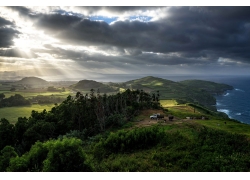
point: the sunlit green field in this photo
(12, 113)
(168, 103)
(32, 94)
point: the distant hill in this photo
(32, 81)
(195, 91)
(192, 91)
(86, 85)
(211, 87)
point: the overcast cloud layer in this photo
(86, 42)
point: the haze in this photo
(74, 43)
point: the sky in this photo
(89, 42)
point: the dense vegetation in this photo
(19, 100)
(87, 114)
(157, 148)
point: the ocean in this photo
(235, 103)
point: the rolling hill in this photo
(211, 87)
(190, 91)
(32, 81)
(194, 91)
(86, 85)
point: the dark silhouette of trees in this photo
(16, 100)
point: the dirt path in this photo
(144, 119)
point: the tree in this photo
(12, 89)
(6, 133)
(6, 154)
(2, 96)
(66, 155)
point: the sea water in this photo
(236, 103)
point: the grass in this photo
(181, 149)
(33, 94)
(168, 103)
(230, 126)
(12, 113)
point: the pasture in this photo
(29, 94)
(12, 113)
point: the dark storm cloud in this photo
(7, 33)
(197, 34)
(57, 22)
(6, 36)
(4, 22)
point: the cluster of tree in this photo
(16, 100)
(53, 89)
(88, 114)
(40, 99)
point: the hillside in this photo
(195, 91)
(86, 85)
(32, 81)
(211, 87)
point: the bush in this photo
(126, 141)
(65, 155)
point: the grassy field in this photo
(168, 103)
(32, 94)
(183, 111)
(12, 113)
(226, 125)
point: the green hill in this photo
(86, 85)
(211, 87)
(32, 81)
(194, 91)
(190, 91)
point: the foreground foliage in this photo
(157, 148)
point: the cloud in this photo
(17, 53)
(7, 33)
(171, 36)
(6, 36)
(4, 22)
